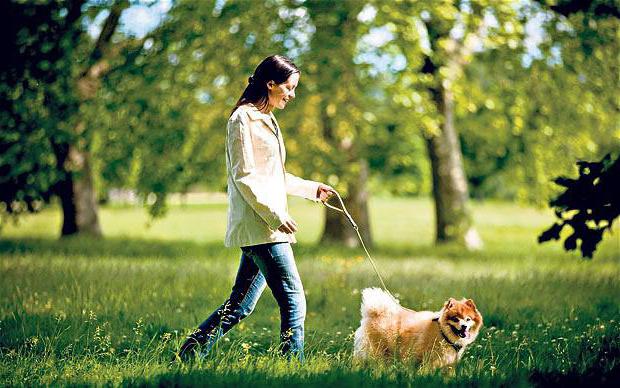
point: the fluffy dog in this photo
(437, 339)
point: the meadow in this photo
(112, 311)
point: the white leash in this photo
(346, 213)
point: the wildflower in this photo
(33, 341)
(61, 315)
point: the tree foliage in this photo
(528, 113)
(589, 205)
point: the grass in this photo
(83, 311)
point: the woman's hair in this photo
(276, 68)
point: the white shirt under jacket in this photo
(257, 181)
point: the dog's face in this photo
(463, 318)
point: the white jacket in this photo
(257, 181)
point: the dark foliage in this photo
(589, 205)
(35, 99)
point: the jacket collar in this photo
(267, 118)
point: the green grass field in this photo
(83, 311)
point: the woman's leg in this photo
(277, 263)
(248, 287)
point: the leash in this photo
(359, 236)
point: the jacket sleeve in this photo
(301, 187)
(251, 185)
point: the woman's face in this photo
(280, 94)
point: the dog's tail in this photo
(376, 302)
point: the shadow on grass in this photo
(111, 246)
(258, 378)
(353, 378)
(605, 371)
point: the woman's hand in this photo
(324, 192)
(289, 226)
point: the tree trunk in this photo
(84, 199)
(64, 189)
(453, 217)
(76, 191)
(337, 228)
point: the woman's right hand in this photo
(289, 226)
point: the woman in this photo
(258, 218)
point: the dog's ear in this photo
(471, 304)
(450, 303)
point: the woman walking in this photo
(258, 218)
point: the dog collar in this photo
(454, 345)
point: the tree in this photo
(45, 83)
(77, 192)
(438, 40)
(329, 139)
(38, 101)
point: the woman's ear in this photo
(270, 84)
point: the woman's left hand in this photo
(324, 192)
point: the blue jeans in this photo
(271, 264)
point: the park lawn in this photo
(82, 311)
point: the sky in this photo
(137, 20)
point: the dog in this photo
(437, 339)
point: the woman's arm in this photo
(250, 184)
(301, 187)
(304, 188)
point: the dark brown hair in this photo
(276, 68)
